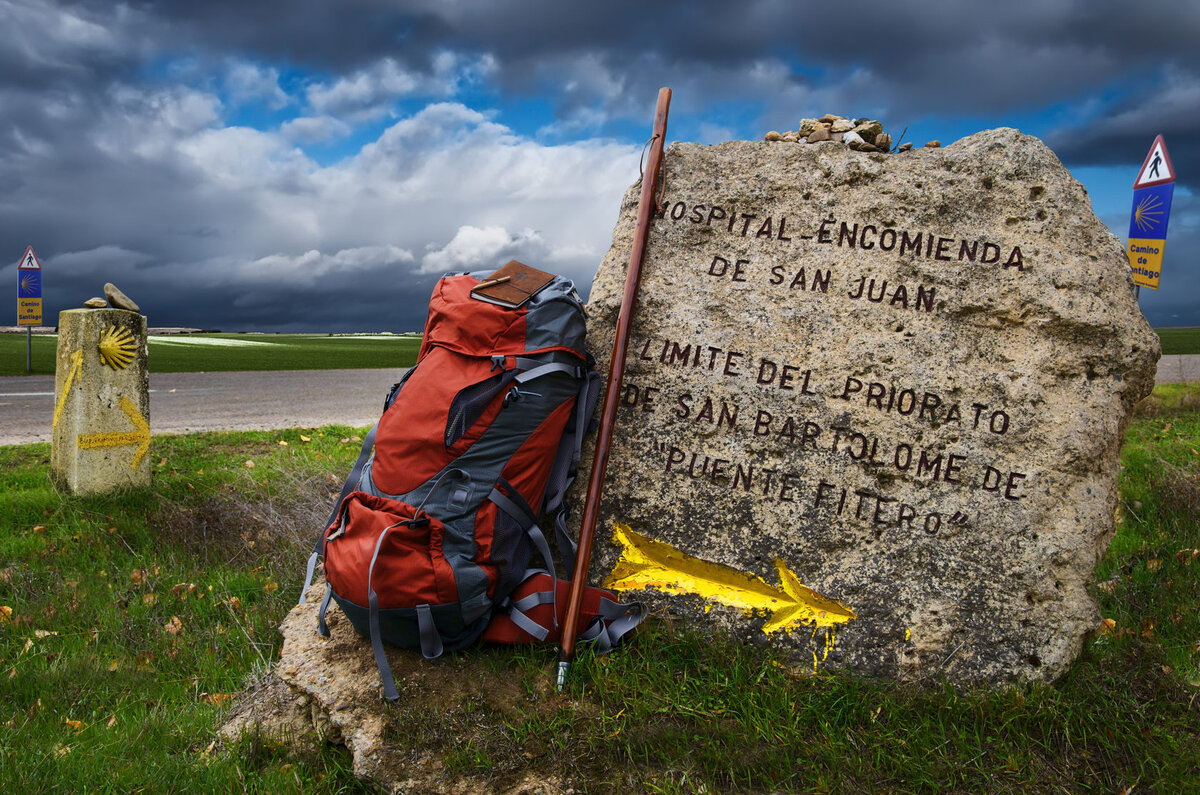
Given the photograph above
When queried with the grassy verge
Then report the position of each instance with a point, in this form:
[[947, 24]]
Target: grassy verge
[[135, 617], [1179, 340], [129, 621], [185, 353]]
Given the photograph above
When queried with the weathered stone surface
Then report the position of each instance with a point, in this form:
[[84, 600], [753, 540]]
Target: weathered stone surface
[[327, 690], [933, 144], [773, 135], [905, 147], [883, 142], [118, 299], [101, 425], [869, 130], [841, 126], [819, 133], [95, 303], [906, 378]]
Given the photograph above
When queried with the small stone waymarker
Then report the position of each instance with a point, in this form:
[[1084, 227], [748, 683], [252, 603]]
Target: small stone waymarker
[[101, 425], [873, 404]]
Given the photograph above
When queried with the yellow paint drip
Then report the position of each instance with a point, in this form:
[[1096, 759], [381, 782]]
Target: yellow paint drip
[[646, 563]]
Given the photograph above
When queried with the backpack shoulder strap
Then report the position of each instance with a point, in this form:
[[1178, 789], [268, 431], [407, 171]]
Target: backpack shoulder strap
[[566, 463]]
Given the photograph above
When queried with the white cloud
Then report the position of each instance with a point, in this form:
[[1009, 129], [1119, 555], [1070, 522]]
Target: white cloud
[[365, 95], [314, 129], [47, 35], [247, 82], [473, 248], [240, 158], [149, 123], [309, 268]]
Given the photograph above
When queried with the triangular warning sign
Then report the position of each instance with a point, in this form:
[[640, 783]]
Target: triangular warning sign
[[1157, 169], [29, 261]]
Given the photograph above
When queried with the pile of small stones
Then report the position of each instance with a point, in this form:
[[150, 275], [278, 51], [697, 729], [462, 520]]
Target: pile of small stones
[[861, 135], [112, 297]]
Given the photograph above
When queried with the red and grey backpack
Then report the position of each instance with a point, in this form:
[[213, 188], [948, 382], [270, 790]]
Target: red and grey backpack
[[432, 540]]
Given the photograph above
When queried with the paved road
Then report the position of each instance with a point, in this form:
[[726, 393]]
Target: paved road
[[185, 402]]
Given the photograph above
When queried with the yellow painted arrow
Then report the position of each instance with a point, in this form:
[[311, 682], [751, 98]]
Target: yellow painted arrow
[[646, 563], [140, 436], [76, 368]]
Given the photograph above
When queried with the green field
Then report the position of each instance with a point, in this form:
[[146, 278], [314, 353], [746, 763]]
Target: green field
[[189, 353], [129, 622], [1179, 340]]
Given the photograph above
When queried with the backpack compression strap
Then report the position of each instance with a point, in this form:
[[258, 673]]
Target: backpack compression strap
[[531, 615], [364, 455], [350, 485]]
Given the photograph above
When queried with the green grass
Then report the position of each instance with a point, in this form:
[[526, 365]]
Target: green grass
[[115, 698], [181, 353], [1179, 340], [136, 616]]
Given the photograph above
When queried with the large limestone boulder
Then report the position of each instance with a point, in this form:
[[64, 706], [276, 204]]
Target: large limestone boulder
[[873, 404]]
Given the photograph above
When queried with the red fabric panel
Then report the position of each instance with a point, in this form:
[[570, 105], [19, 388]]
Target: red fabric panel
[[411, 440], [503, 630], [460, 323], [485, 523], [410, 569], [530, 465]]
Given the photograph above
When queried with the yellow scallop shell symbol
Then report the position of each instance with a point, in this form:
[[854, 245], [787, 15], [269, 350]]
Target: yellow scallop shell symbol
[[117, 347]]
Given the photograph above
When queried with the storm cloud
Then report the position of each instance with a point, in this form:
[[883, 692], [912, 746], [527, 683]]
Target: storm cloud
[[314, 166]]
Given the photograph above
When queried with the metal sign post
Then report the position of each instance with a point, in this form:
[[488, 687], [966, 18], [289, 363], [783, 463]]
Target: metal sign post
[[29, 300]]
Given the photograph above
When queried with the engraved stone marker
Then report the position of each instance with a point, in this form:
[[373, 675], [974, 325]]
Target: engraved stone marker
[[101, 425], [873, 404]]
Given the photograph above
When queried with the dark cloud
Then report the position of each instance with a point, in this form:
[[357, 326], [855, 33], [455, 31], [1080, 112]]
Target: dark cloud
[[1122, 135], [922, 58], [130, 149]]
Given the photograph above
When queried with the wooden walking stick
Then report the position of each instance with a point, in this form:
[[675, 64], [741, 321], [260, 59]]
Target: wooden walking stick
[[616, 371]]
